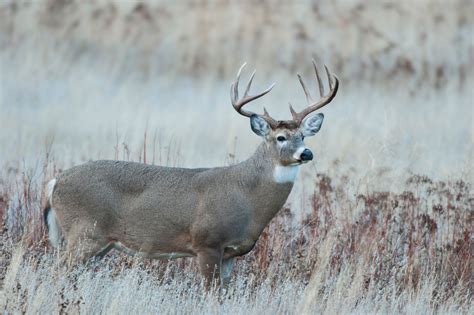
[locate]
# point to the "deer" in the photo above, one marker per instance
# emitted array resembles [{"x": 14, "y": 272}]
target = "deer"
[{"x": 213, "y": 214}]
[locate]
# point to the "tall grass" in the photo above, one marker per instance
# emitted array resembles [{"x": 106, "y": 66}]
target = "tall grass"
[{"x": 354, "y": 251}]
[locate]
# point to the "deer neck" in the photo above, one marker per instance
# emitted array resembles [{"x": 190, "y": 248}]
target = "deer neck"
[
  {"x": 267, "y": 183},
  {"x": 265, "y": 164}
]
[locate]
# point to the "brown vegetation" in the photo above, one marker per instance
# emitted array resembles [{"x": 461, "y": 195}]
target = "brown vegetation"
[{"x": 381, "y": 245}]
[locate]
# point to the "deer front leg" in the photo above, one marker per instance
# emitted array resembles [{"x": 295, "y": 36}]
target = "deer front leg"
[
  {"x": 210, "y": 263},
  {"x": 226, "y": 272}
]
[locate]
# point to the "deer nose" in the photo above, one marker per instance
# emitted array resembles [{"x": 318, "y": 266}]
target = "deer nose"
[{"x": 306, "y": 155}]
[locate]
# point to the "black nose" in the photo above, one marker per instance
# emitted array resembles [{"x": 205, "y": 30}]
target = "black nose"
[{"x": 307, "y": 155}]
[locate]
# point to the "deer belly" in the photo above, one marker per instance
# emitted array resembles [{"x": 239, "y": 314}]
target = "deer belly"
[
  {"x": 238, "y": 249},
  {"x": 150, "y": 254}
]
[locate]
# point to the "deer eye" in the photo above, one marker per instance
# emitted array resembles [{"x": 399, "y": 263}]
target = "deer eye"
[{"x": 281, "y": 138}]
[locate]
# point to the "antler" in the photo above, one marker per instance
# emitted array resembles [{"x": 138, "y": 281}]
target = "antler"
[
  {"x": 239, "y": 103},
  {"x": 315, "y": 105}
]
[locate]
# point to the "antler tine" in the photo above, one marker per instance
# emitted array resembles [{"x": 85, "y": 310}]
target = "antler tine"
[
  {"x": 329, "y": 77},
  {"x": 320, "y": 82},
  {"x": 234, "y": 88},
  {"x": 309, "y": 99},
  {"x": 313, "y": 106},
  {"x": 292, "y": 111},
  {"x": 249, "y": 83},
  {"x": 239, "y": 103},
  {"x": 266, "y": 114}
]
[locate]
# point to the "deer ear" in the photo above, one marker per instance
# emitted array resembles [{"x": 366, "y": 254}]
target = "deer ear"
[
  {"x": 259, "y": 125},
  {"x": 311, "y": 124}
]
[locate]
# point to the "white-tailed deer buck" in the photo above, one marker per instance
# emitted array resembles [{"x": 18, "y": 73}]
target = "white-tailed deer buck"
[{"x": 214, "y": 214}]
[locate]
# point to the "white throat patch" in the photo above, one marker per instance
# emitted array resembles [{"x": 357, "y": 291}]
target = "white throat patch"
[{"x": 285, "y": 174}]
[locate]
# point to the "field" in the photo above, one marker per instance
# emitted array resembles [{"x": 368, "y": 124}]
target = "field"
[{"x": 381, "y": 221}]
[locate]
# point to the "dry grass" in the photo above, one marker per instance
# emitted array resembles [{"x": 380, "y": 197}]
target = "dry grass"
[
  {"x": 149, "y": 82},
  {"x": 364, "y": 252}
]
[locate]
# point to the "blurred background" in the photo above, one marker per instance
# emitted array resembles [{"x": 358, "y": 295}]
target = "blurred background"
[
  {"x": 381, "y": 221},
  {"x": 149, "y": 81}
]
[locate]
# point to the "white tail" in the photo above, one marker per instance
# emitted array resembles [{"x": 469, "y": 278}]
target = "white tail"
[
  {"x": 51, "y": 185},
  {"x": 54, "y": 230}
]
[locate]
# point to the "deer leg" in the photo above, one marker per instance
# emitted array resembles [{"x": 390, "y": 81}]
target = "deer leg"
[
  {"x": 226, "y": 271},
  {"x": 104, "y": 250},
  {"x": 210, "y": 262},
  {"x": 83, "y": 250},
  {"x": 83, "y": 244}
]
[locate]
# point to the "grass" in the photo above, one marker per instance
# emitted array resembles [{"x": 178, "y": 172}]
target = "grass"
[
  {"x": 362, "y": 232},
  {"x": 364, "y": 252}
]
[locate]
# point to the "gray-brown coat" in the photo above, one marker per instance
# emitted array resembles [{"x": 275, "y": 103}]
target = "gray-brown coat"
[{"x": 214, "y": 214}]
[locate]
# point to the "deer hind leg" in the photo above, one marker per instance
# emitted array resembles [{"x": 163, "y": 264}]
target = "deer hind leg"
[
  {"x": 86, "y": 243},
  {"x": 210, "y": 263}
]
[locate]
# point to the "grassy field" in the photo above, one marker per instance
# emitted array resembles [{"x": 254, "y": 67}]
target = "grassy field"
[{"x": 381, "y": 222}]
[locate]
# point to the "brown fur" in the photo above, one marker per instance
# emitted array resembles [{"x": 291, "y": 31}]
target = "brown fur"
[{"x": 214, "y": 214}]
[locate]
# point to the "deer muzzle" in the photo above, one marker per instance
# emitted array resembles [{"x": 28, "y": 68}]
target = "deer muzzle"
[{"x": 306, "y": 155}]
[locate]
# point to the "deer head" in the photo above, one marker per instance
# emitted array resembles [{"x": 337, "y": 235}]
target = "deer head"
[{"x": 286, "y": 137}]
